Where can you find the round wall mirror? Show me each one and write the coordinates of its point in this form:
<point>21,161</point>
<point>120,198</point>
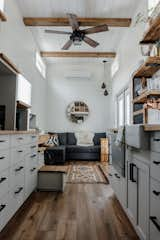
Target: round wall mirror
<point>77,112</point>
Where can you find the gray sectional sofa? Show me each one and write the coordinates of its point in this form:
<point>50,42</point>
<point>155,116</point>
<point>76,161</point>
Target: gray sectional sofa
<point>71,151</point>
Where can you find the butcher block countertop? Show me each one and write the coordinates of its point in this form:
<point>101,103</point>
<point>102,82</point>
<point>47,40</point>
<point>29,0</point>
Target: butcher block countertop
<point>12,132</point>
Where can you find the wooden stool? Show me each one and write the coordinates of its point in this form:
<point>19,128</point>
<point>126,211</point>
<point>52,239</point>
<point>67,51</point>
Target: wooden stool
<point>52,178</point>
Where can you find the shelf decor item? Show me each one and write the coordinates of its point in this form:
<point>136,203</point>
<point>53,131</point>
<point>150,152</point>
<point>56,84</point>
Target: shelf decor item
<point>77,112</point>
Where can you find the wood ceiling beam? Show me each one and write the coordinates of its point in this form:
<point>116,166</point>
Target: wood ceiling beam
<point>58,22</point>
<point>79,54</point>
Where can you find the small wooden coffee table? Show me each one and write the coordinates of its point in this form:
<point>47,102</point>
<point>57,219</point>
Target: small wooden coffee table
<point>52,178</point>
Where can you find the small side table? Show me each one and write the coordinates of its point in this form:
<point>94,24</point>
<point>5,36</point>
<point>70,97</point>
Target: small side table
<point>104,149</point>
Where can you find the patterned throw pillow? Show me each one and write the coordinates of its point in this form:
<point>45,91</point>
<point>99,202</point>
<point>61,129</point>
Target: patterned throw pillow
<point>55,140</point>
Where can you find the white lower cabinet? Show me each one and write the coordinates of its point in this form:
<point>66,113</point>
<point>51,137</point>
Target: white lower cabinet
<point>18,172</point>
<point>40,159</point>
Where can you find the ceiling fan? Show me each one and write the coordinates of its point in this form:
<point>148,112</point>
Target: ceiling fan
<point>77,35</point>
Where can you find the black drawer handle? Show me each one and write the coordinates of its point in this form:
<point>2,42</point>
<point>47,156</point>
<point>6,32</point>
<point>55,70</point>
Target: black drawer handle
<point>156,193</point>
<point>33,169</point>
<point>19,190</point>
<point>20,151</point>
<point>155,222</point>
<point>33,147</point>
<point>2,141</point>
<point>110,174</point>
<point>33,136</point>
<point>117,176</point>
<point>3,179</point>
<point>156,162</point>
<point>156,139</point>
<point>1,158</point>
<point>2,206</point>
<point>20,138</point>
<point>19,169</point>
<point>33,156</point>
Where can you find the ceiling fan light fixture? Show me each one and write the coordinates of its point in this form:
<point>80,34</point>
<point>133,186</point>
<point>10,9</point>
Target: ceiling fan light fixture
<point>106,92</point>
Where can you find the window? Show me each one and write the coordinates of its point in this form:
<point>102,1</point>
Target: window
<point>115,67</point>
<point>40,65</point>
<point>123,108</point>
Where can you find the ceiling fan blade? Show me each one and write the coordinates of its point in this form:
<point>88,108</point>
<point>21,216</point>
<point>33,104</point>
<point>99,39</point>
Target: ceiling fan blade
<point>57,32</point>
<point>67,45</point>
<point>73,21</point>
<point>97,29</point>
<point>91,42</point>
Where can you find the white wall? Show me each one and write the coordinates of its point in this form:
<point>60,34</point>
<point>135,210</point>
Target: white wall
<point>17,43</point>
<point>61,92</point>
<point>129,55</point>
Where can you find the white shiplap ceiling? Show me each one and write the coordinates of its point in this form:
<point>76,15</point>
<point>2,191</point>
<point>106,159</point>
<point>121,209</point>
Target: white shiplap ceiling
<point>83,8</point>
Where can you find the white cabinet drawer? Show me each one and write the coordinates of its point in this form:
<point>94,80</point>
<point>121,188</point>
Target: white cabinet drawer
<point>17,175</point>
<point>4,182</point>
<point>4,142</point>
<point>18,140</point>
<point>155,142</point>
<point>155,165</point>
<point>154,210</point>
<point>18,154</point>
<point>32,148</point>
<point>4,159</point>
<point>32,138</point>
<point>41,160</point>
<point>17,198</point>
<point>5,210</point>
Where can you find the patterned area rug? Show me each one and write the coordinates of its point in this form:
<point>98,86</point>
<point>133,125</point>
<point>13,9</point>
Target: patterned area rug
<point>86,174</point>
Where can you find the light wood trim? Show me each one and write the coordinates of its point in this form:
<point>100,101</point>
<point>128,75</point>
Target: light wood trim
<point>143,97</point>
<point>22,105</point>
<point>59,169</point>
<point>112,22</point>
<point>150,128</point>
<point>79,54</point>
<point>7,61</point>
<point>138,112</point>
<point>2,16</point>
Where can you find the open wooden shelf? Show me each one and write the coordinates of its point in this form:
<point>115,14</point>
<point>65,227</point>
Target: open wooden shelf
<point>153,33</point>
<point>2,16</point>
<point>143,97</point>
<point>8,63</point>
<point>150,128</point>
<point>148,68</point>
<point>141,111</point>
<point>22,105</point>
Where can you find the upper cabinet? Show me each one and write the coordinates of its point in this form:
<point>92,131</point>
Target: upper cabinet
<point>2,15</point>
<point>23,91</point>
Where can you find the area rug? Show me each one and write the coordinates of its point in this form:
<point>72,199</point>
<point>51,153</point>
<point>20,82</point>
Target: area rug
<point>86,174</point>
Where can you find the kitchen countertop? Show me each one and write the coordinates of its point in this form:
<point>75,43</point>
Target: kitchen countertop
<point>12,132</point>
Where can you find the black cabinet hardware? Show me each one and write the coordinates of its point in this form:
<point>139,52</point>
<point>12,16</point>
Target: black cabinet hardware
<point>33,136</point>
<point>33,156</point>
<point>156,193</point>
<point>132,166</point>
<point>1,158</point>
<point>156,162</point>
<point>33,146</point>
<point>2,206</point>
<point>2,179</point>
<point>110,174</point>
<point>2,141</point>
<point>19,190</point>
<point>156,139</point>
<point>20,138</point>
<point>33,169</point>
<point>19,169</point>
<point>117,176</point>
<point>20,151</point>
<point>155,222</point>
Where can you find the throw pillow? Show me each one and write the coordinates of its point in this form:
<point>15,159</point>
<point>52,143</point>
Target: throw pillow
<point>55,140</point>
<point>84,138</point>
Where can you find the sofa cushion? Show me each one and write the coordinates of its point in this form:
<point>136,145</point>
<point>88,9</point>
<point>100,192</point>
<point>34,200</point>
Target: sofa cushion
<point>71,139</point>
<point>81,149</point>
<point>97,138</point>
